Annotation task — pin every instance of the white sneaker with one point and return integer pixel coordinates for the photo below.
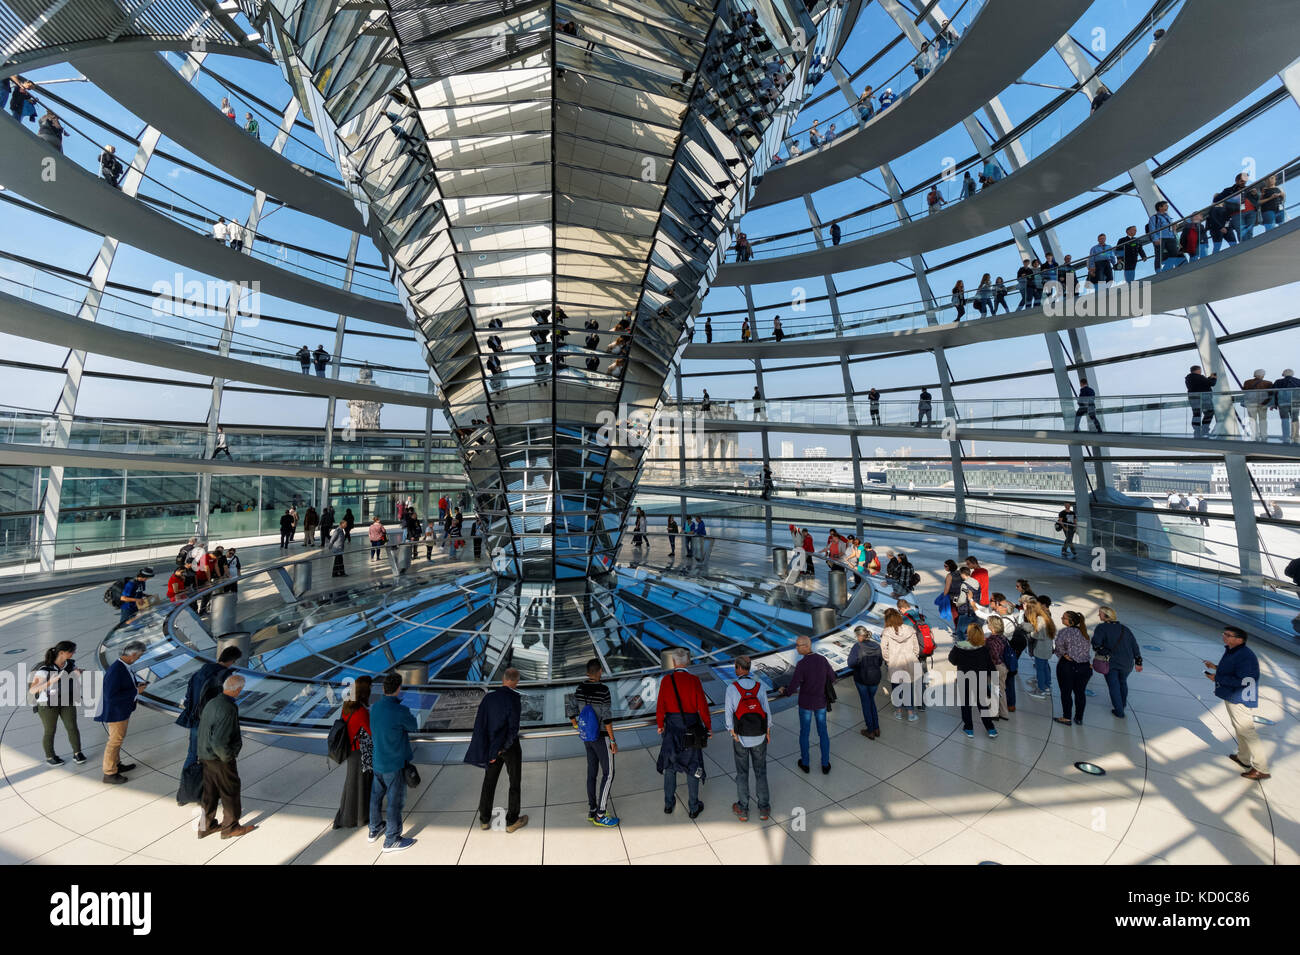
(898, 714)
(912, 717)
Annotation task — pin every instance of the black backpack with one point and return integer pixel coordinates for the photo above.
(339, 744)
(1293, 569)
(113, 595)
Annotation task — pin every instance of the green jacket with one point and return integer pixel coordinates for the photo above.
(219, 736)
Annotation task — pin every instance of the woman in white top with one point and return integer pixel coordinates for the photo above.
(902, 654)
(56, 695)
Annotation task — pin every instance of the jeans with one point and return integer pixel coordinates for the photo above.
(869, 714)
(1130, 275)
(692, 789)
(1270, 219)
(1073, 678)
(1011, 683)
(375, 547)
(1117, 683)
(1244, 223)
(1043, 672)
(393, 786)
(755, 756)
(805, 731)
(50, 717)
(1025, 297)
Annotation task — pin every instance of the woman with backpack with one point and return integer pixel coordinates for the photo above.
(1118, 654)
(901, 652)
(56, 694)
(1038, 622)
(354, 804)
(865, 660)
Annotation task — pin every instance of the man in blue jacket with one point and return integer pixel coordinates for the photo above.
(203, 686)
(115, 708)
(391, 724)
(1236, 682)
(495, 744)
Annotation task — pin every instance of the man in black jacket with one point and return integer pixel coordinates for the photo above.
(1130, 249)
(1200, 395)
(219, 744)
(495, 744)
(286, 529)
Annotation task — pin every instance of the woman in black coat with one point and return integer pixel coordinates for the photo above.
(971, 656)
(354, 804)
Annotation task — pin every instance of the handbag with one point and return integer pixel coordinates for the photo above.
(1101, 664)
(697, 737)
(411, 775)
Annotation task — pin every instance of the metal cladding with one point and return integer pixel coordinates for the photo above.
(554, 186)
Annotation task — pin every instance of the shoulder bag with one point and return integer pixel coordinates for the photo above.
(697, 737)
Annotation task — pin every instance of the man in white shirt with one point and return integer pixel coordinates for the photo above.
(749, 723)
(219, 230)
(235, 233)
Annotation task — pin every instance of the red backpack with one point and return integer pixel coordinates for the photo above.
(923, 630)
(750, 717)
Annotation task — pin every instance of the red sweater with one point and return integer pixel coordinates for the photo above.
(691, 691)
(359, 720)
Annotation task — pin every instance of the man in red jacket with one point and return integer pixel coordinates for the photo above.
(682, 714)
(981, 575)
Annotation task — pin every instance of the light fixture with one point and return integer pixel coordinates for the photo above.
(1092, 769)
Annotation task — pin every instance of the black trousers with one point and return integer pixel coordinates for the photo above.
(513, 762)
(285, 537)
(338, 570)
(1073, 677)
(220, 783)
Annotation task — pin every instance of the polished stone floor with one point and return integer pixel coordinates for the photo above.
(921, 793)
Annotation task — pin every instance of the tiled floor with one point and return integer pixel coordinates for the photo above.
(922, 793)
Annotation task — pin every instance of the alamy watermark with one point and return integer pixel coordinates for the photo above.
(1129, 300)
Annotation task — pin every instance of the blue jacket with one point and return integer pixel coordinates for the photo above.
(1237, 677)
(390, 724)
(1113, 638)
(211, 674)
(496, 726)
(118, 702)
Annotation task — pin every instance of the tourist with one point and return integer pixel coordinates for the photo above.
(349, 522)
(865, 660)
(708, 332)
(1023, 276)
(495, 745)
(835, 234)
(134, 599)
(219, 230)
(673, 532)
(235, 234)
(1236, 682)
(814, 684)
(326, 524)
(337, 542)
(1101, 264)
(1074, 668)
(391, 725)
(320, 357)
(639, 529)
(51, 130)
(866, 108)
(378, 537)
(965, 600)
(999, 653)
(981, 577)
(1220, 224)
(974, 685)
(286, 529)
(983, 298)
(1118, 651)
(590, 710)
(1042, 640)
(54, 686)
(933, 201)
(682, 718)
(220, 741)
(1258, 401)
(887, 99)
(1000, 297)
(117, 703)
(1200, 396)
(959, 299)
(309, 524)
(1067, 526)
(1131, 252)
(205, 684)
(1041, 273)
(1286, 391)
(252, 127)
(1272, 204)
(227, 108)
(354, 802)
(924, 408)
(748, 718)
(900, 648)
(1086, 404)
(967, 185)
(110, 167)
(873, 401)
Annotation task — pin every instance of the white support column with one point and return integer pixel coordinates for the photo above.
(758, 381)
(1243, 516)
(331, 403)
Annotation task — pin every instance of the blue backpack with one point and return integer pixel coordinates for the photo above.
(588, 725)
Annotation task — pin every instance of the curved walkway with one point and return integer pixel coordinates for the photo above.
(1263, 262)
(152, 90)
(38, 323)
(34, 169)
(1006, 39)
(921, 792)
(1152, 110)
